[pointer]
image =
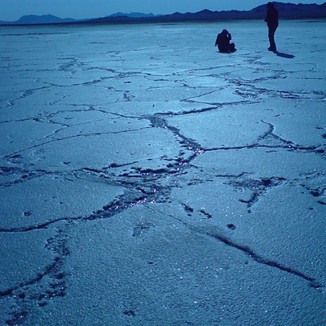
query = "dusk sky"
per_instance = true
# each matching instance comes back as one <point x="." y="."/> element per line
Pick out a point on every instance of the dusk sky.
<point x="14" y="9"/>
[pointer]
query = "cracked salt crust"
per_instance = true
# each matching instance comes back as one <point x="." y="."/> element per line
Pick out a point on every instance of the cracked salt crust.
<point x="146" y="178"/>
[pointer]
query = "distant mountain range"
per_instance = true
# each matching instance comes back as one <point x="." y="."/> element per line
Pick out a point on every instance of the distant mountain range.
<point x="35" y="19"/>
<point x="132" y="15"/>
<point x="286" y="11"/>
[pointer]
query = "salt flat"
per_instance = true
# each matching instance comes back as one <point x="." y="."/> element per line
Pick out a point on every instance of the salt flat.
<point x="146" y="179"/>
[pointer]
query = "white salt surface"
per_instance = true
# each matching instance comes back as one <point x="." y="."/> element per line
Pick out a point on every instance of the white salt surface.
<point x="146" y="179"/>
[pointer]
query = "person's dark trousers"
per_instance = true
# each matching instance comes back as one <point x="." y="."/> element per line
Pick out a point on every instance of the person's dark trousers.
<point x="271" y="32"/>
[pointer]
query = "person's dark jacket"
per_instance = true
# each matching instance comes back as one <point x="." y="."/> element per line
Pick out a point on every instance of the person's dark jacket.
<point x="223" y="41"/>
<point x="271" y="16"/>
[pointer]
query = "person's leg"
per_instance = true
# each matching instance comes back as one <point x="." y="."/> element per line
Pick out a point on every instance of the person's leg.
<point x="271" y="32"/>
<point x="232" y="47"/>
<point x="222" y="49"/>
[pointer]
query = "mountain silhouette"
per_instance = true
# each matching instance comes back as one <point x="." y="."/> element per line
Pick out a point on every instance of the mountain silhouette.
<point x="132" y="15"/>
<point x="33" y="19"/>
<point x="286" y="11"/>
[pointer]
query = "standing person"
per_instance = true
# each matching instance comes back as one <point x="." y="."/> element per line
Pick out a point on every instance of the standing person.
<point x="272" y="22"/>
<point x="223" y="42"/>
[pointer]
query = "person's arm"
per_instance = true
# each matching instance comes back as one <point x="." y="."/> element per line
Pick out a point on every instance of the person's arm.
<point x="217" y="39"/>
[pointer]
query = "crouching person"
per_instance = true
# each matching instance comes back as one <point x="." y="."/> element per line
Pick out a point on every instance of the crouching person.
<point x="223" y="42"/>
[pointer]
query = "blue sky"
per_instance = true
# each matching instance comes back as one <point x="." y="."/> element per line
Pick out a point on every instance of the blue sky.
<point x="14" y="9"/>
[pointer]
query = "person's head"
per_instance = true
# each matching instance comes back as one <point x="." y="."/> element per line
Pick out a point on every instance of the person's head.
<point x="225" y="32"/>
<point x="270" y="5"/>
